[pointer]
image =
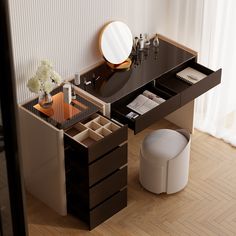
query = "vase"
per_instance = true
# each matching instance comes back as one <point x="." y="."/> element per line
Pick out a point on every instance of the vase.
<point x="45" y="100"/>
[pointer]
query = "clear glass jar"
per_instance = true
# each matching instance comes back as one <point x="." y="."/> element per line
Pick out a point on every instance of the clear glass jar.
<point x="45" y="100"/>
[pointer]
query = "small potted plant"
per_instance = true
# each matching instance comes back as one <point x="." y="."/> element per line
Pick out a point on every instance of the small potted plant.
<point x="43" y="82"/>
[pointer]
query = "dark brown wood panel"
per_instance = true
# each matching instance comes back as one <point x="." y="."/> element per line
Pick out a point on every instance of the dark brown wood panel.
<point x="201" y="87"/>
<point x="176" y="92"/>
<point x="99" y="148"/>
<point x="120" y="109"/>
<point x="157" y="113"/>
<point x="108" y="143"/>
<point x="78" y="149"/>
<point x="107" y="164"/>
<point x="108" y="208"/>
<point x="107" y="187"/>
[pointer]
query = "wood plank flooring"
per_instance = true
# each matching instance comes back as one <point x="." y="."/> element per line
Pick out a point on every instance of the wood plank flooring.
<point x="207" y="206"/>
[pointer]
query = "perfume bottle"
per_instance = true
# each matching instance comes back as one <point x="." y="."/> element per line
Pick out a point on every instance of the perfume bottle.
<point x="73" y="94"/>
<point x="156" y="41"/>
<point x="147" y="41"/>
<point x="135" y="44"/>
<point x="141" y="42"/>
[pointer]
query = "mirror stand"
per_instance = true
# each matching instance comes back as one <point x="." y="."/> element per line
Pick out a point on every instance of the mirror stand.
<point x="123" y="66"/>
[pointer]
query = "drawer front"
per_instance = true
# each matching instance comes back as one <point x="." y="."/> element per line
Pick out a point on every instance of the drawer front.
<point x="100" y="213"/>
<point x="197" y="89"/>
<point x="79" y="193"/>
<point x="100" y="147"/>
<point x="108" y="164"/>
<point x="108" y="143"/>
<point x="97" y="170"/>
<point x="159" y="112"/>
<point x="107" y="187"/>
<point x="143" y="121"/>
<point x="108" y="208"/>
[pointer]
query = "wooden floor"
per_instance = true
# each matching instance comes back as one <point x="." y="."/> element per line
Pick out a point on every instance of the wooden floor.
<point x="207" y="206"/>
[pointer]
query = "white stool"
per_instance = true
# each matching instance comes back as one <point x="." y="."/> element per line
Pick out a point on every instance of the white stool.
<point x="164" y="161"/>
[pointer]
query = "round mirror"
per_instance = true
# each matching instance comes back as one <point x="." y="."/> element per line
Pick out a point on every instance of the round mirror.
<point x="116" y="42"/>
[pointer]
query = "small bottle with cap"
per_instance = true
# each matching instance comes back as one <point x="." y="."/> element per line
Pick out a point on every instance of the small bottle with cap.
<point x="156" y="41"/>
<point x="141" y="42"/>
<point x="67" y="92"/>
<point x="73" y="94"/>
<point x="77" y="79"/>
<point x="135" y="43"/>
<point x="147" y="41"/>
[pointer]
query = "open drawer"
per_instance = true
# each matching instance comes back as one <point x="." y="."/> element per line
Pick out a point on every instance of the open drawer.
<point x="173" y="90"/>
<point x="120" y="111"/>
<point x="94" y="137"/>
<point x="189" y="91"/>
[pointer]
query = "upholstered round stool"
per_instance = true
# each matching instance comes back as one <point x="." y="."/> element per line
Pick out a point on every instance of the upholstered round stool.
<point x="164" y="161"/>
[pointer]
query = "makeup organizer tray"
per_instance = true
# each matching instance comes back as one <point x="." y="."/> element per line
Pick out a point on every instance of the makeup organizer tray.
<point x="92" y="130"/>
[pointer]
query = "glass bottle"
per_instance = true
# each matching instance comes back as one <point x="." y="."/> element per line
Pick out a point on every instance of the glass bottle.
<point x="141" y="42"/>
<point x="147" y="41"/>
<point x="156" y="41"/>
<point x="135" y="43"/>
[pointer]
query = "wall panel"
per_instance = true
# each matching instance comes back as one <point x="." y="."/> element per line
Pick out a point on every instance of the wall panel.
<point x="66" y="32"/>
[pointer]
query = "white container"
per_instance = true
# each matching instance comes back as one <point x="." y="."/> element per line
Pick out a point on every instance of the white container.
<point x="67" y="93"/>
<point x="77" y="79"/>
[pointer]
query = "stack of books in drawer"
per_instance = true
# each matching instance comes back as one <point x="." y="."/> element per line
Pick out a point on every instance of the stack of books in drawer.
<point x="144" y="102"/>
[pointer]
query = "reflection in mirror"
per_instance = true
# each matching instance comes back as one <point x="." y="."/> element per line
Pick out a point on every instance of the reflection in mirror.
<point x="114" y="83"/>
<point x="116" y="42"/>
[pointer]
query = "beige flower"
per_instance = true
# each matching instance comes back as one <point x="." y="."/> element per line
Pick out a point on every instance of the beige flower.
<point x="48" y="86"/>
<point x="34" y="85"/>
<point x="46" y="63"/>
<point x="56" y="77"/>
<point x="45" y="78"/>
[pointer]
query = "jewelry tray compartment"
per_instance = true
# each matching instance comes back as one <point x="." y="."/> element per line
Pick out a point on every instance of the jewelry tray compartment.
<point x="95" y="136"/>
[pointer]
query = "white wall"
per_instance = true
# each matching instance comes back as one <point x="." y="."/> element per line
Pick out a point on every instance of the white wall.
<point x="66" y="32"/>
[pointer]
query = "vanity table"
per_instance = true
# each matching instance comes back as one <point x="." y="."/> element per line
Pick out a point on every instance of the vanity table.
<point x="75" y="157"/>
<point x="153" y="69"/>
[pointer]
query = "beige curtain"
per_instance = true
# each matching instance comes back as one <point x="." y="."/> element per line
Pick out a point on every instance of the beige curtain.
<point x="209" y="27"/>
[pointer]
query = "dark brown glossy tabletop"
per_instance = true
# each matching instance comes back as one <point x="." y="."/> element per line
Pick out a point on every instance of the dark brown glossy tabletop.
<point x="109" y="85"/>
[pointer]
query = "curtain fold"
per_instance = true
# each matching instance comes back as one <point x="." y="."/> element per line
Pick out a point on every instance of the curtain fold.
<point x="210" y="30"/>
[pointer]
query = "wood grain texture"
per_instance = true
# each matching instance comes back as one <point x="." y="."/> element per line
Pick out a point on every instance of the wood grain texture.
<point x="207" y="206"/>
